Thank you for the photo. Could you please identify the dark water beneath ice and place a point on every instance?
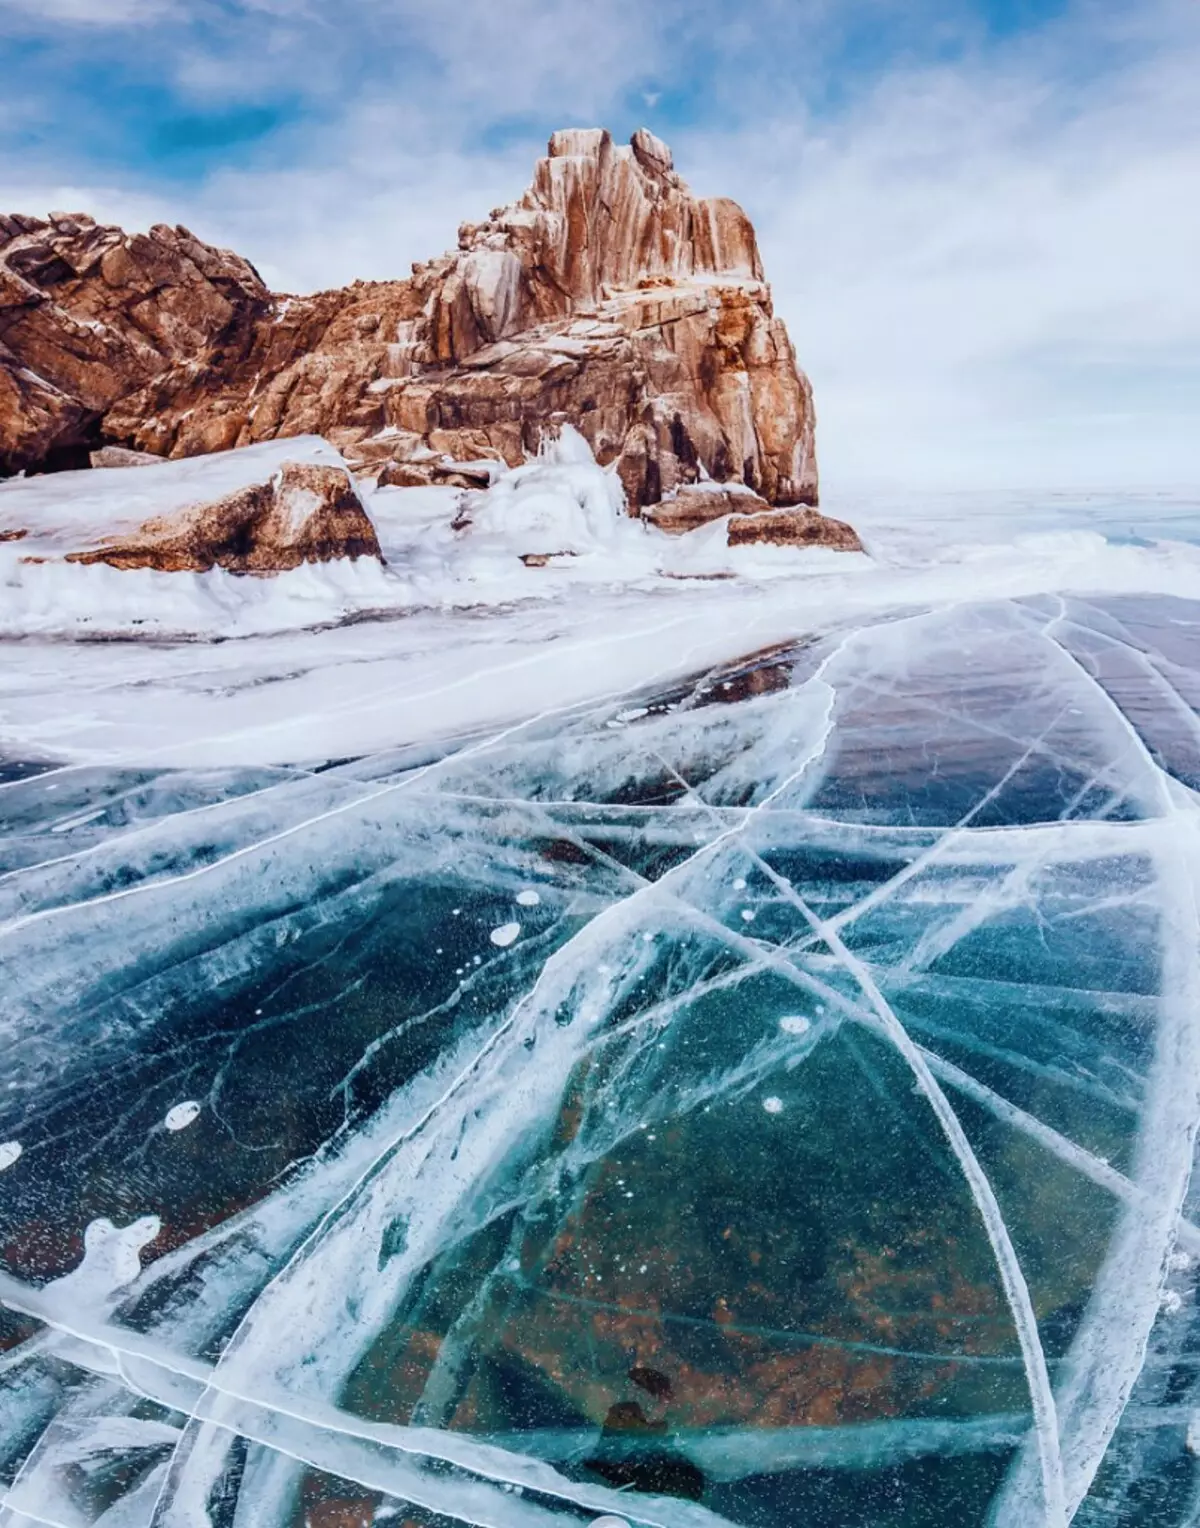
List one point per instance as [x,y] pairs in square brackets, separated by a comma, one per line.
[769,1103]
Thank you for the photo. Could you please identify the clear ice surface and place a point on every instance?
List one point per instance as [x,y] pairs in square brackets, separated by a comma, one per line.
[763,1098]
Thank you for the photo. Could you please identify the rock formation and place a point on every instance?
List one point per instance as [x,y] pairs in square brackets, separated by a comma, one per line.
[89,314]
[305,512]
[751,519]
[264,510]
[607,296]
[691,507]
[792,527]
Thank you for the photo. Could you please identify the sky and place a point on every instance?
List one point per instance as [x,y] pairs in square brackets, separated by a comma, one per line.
[980,218]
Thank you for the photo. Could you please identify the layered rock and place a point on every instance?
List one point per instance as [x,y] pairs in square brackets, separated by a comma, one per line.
[265,510]
[752,520]
[688,509]
[792,527]
[305,512]
[89,314]
[608,297]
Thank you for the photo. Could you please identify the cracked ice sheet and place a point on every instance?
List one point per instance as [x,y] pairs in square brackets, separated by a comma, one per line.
[463,1190]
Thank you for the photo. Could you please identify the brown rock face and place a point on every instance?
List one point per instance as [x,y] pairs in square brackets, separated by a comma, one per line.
[88,314]
[607,296]
[793,527]
[306,512]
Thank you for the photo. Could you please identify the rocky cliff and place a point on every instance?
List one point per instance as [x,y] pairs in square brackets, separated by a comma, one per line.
[607,296]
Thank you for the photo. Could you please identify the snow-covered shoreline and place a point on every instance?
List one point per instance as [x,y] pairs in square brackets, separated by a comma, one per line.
[454,633]
[443,549]
[303,696]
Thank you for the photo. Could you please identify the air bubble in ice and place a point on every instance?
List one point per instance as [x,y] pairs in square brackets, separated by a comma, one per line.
[747,915]
[795,1024]
[528,897]
[773,1105]
[9,1152]
[505,934]
[111,1259]
[739,884]
[182,1115]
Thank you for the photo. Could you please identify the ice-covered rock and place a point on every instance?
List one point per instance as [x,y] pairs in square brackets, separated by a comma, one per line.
[254,511]
[560,503]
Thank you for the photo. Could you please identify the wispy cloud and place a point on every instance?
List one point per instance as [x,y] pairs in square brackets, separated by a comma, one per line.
[989,268]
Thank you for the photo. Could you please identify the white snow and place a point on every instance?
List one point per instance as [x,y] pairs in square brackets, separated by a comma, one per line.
[64,511]
[111,1260]
[560,505]
[462,635]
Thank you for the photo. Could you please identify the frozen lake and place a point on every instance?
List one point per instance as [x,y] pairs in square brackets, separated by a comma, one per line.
[728,1055]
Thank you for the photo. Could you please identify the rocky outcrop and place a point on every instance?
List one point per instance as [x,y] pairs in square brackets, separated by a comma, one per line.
[608,297]
[792,527]
[690,508]
[89,314]
[752,521]
[305,512]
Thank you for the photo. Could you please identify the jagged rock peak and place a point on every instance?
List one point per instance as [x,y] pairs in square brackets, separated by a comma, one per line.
[600,219]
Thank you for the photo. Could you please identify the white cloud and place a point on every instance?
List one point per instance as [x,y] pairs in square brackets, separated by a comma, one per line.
[991,272]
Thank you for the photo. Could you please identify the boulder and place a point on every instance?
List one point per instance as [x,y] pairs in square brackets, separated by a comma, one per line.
[793,527]
[305,512]
[122,456]
[690,508]
[607,297]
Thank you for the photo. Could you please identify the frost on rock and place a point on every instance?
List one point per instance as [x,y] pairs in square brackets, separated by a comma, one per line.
[873,1208]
